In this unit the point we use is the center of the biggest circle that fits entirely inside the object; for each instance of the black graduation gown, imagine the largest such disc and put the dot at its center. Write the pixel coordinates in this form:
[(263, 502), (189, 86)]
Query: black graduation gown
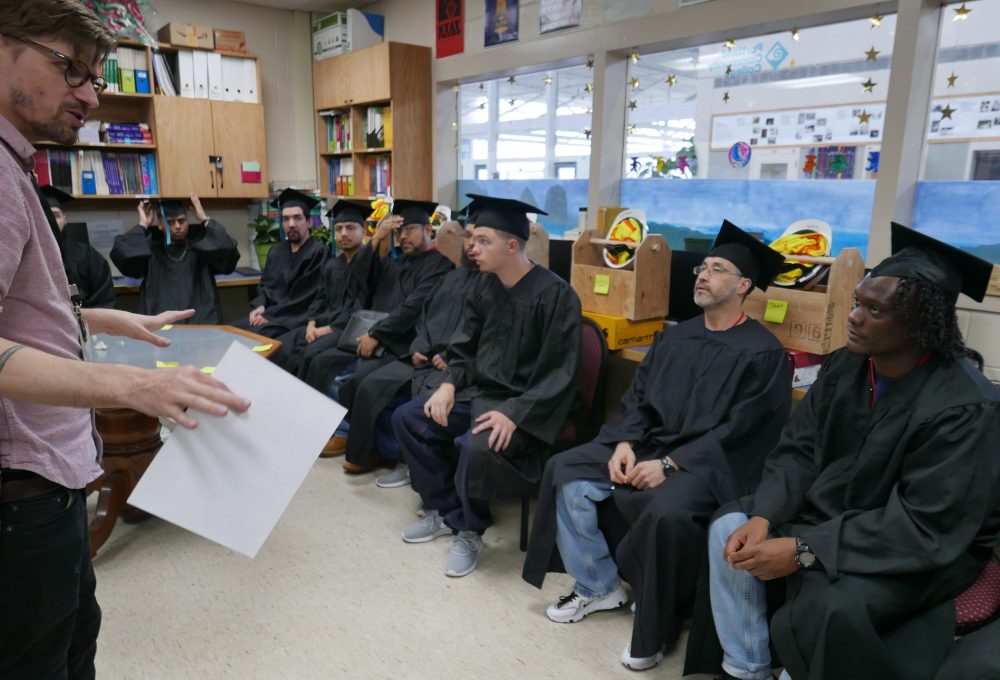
[(901, 505), (341, 291), (399, 287), (368, 395), (975, 656), (178, 276), (91, 273), (715, 402), (287, 286), (517, 351)]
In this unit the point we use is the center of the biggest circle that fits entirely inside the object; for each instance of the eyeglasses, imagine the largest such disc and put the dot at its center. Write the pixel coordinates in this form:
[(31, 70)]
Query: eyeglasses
[(714, 270), (77, 73), (407, 228)]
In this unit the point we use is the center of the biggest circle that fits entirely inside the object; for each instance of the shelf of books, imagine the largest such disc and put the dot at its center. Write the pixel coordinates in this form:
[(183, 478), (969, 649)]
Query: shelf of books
[(90, 173), (363, 170)]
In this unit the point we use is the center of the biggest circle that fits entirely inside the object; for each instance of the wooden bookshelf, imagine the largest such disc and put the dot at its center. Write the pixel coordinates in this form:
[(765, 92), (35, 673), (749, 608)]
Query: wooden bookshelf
[(394, 76)]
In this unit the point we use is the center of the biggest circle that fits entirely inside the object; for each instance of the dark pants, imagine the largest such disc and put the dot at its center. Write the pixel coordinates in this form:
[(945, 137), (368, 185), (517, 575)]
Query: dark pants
[(269, 330), (439, 460), (295, 350), (49, 616)]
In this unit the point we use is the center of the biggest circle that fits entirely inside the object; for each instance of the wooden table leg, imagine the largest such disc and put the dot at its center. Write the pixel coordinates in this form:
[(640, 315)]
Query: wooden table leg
[(131, 439)]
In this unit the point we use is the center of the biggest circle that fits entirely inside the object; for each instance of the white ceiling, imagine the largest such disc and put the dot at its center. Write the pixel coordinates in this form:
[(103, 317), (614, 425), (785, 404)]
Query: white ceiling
[(321, 6)]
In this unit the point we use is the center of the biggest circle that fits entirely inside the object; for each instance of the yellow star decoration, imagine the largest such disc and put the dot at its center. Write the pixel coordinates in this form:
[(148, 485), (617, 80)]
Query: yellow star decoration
[(587, 132), (547, 79), (482, 86), (947, 111), (864, 116), (876, 19), (631, 104), (729, 70), (868, 85), (589, 87), (511, 79), (725, 97), (634, 56), (795, 33), (792, 63), (951, 79), (872, 54), (454, 88), (454, 126), (590, 62), (482, 105), (631, 128), (634, 82), (512, 101), (730, 44), (671, 80), (962, 13)]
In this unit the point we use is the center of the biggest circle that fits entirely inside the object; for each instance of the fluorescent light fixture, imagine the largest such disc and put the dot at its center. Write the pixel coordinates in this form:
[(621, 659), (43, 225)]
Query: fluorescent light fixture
[(819, 81)]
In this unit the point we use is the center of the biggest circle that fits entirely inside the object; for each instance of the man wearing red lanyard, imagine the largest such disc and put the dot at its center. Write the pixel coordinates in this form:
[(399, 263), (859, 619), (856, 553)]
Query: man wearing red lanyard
[(705, 406), (881, 502)]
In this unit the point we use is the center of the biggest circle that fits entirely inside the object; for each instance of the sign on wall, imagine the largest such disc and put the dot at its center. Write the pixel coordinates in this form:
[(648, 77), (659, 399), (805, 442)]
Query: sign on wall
[(501, 25), (969, 117), (826, 125), (555, 15), (450, 28)]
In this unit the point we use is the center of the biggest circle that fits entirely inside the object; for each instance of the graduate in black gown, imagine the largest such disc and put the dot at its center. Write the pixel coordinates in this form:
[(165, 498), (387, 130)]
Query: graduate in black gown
[(85, 267), (704, 408), (975, 656), (399, 285), (342, 290), (292, 274), (177, 261), (512, 382), (881, 502), (422, 371)]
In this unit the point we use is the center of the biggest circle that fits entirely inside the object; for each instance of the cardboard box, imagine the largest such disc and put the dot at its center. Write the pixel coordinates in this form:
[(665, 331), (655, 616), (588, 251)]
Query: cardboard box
[(187, 35), (230, 41), (346, 31), (621, 332)]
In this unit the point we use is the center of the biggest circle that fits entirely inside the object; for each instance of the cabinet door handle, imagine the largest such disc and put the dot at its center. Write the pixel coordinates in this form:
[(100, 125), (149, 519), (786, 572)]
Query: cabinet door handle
[(211, 177)]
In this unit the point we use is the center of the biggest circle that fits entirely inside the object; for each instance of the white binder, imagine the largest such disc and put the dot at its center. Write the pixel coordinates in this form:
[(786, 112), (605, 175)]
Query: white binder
[(215, 86), (200, 74), (185, 72), (249, 81)]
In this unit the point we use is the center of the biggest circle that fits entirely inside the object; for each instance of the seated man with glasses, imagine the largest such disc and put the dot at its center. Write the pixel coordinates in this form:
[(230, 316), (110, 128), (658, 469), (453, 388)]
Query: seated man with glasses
[(704, 408)]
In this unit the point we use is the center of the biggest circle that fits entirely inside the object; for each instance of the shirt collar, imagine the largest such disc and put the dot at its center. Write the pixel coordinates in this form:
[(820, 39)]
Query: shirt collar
[(17, 142)]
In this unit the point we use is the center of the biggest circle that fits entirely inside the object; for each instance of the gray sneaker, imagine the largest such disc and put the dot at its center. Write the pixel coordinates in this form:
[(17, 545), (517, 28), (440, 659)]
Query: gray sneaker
[(463, 557), (427, 529), (398, 476)]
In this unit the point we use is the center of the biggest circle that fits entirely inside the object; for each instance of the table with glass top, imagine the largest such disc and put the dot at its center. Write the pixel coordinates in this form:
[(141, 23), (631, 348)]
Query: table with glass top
[(131, 439)]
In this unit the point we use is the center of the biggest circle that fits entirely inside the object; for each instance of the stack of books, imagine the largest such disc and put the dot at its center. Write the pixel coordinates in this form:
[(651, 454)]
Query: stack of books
[(127, 71)]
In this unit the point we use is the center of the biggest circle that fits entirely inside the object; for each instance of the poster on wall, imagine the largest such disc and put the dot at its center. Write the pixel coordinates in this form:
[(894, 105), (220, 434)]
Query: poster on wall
[(555, 15), (500, 26), (846, 124), (450, 28), (975, 117)]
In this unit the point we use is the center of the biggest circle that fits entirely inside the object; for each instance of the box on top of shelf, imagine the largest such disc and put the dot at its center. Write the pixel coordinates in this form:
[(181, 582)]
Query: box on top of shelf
[(230, 41), (187, 35), (346, 31)]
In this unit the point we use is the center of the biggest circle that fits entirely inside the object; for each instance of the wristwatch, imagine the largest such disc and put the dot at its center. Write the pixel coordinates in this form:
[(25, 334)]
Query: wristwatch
[(804, 557), (668, 468)]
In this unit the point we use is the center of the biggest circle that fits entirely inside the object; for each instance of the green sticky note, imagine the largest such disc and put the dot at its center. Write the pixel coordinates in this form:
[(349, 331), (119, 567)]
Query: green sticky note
[(208, 369), (602, 284), (776, 311), (262, 348), (167, 327), (167, 364)]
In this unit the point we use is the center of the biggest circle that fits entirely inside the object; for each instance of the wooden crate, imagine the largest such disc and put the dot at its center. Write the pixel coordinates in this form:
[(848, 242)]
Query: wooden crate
[(640, 291), (816, 320)]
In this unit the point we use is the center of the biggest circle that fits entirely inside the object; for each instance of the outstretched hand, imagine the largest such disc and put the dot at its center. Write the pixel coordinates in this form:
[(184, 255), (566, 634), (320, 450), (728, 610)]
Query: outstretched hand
[(135, 326)]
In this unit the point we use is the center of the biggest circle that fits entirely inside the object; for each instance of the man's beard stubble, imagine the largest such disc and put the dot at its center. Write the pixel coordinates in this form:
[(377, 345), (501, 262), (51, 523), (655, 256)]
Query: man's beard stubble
[(55, 130)]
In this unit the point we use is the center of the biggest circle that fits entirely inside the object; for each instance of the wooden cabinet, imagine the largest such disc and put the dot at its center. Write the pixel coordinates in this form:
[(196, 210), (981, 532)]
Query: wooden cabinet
[(196, 131), (392, 81)]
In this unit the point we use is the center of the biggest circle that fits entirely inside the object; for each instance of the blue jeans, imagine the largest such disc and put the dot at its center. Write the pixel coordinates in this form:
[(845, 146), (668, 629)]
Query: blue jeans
[(583, 548), (333, 391), (739, 607)]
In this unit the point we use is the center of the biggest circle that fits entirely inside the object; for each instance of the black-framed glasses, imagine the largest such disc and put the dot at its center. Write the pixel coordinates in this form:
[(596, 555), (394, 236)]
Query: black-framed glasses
[(76, 72), (714, 270)]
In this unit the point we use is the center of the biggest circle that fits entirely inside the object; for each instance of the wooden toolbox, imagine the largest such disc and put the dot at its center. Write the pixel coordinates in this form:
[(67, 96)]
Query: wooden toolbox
[(815, 320), (639, 292)]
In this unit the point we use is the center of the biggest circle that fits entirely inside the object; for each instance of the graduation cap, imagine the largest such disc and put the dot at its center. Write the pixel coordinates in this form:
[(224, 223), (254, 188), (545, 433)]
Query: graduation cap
[(55, 197), (290, 198), (468, 214), (756, 260), (505, 214), (169, 209), (349, 211), (414, 212), (918, 256)]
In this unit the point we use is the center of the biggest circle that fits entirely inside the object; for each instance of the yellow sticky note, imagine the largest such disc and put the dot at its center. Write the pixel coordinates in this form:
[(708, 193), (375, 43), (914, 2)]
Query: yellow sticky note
[(167, 327), (208, 369), (776, 311), (167, 364), (262, 348), (602, 284)]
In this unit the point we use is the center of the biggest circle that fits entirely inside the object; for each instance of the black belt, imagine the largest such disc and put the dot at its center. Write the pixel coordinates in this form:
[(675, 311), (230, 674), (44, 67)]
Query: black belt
[(24, 485)]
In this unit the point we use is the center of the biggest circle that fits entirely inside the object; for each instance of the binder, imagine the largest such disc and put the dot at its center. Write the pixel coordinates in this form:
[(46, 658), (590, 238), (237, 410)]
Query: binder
[(215, 76), (141, 67), (231, 85), (126, 71), (200, 74), (185, 73), (249, 81)]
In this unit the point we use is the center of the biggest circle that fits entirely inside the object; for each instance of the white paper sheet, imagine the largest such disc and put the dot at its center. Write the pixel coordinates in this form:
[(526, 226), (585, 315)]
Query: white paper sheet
[(230, 479)]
